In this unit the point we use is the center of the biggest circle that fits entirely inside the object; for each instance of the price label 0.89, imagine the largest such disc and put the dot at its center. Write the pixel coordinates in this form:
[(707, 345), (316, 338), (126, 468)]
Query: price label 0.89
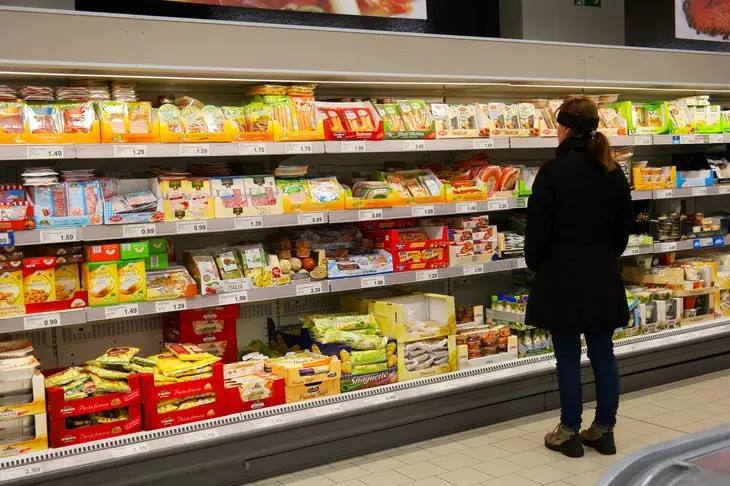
[(170, 305), (42, 321), (138, 230), (126, 151), (188, 227), (311, 218), (370, 214), (121, 311), (45, 152), (195, 150), (59, 235)]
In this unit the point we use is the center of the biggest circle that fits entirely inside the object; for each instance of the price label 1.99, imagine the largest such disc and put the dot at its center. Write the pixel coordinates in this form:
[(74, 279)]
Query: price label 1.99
[(252, 149), (195, 150), (121, 311), (423, 211), (162, 306), (189, 227), (256, 222), (58, 236), (128, 151), (372, 282), (232, 298), (7, 238), (484, 143), (353, 147), (41, 321), (21, 472), (138, 230), (45, 152)]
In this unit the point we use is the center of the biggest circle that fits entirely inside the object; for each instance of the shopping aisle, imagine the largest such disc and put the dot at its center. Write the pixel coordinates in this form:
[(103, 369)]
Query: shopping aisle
[(512, 454)]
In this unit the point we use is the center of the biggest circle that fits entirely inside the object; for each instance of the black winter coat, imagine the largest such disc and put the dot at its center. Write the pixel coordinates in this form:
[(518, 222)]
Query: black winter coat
[(578, 222)]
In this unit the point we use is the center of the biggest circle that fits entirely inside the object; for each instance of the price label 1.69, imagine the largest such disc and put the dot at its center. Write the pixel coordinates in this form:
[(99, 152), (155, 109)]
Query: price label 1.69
[(170, 305), (257, 222), (194, 150), (58, 236), (138, 230), (232, 298), (121, 311), (186, 227), (41, 321)]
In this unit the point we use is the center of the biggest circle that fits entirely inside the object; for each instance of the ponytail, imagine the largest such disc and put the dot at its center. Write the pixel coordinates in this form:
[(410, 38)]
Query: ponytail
[(600, 149)]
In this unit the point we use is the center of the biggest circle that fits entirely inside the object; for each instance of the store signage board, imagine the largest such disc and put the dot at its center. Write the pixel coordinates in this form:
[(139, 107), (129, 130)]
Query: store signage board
[(701, 20)]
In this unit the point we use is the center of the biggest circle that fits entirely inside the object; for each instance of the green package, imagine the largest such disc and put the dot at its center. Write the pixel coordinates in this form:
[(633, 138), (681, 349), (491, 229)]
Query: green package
[(369, 368), (355, 340), (134, 251), (372, 356), (159, 261), (157, 246)]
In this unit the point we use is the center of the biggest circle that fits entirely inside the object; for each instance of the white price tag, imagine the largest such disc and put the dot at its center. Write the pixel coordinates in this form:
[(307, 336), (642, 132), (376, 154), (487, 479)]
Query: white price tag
[(473, 269), (21, 472), (120, 311), (41, 321), (130, 450), (371, 282), (706, 242), (423, 211), (5, 239), (311, 218), (256, 222), (663, 193), (58, 236), (443, 386), (299, 148), (327, 410), (724, 189), (252, 149), (687, 139), (45, 151), (699, 191), (664, 247), (484, 143), (130, 151), (631, 251), (498, 205), (269, 422), (138, 230), (520, 263), (470, 207), (717, 138), (195, 150), (414, 145), (309, 289), (200, 436), (370, 214), (232, 298), (642, 140), (385, 398), (170, 305), (186, 227), (427, 275), (353, 147)]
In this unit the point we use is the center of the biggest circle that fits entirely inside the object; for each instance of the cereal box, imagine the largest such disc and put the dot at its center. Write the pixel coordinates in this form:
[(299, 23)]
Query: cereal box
[(101, 279), (39, 280), (67, 281), (12, 301), (132, 281)]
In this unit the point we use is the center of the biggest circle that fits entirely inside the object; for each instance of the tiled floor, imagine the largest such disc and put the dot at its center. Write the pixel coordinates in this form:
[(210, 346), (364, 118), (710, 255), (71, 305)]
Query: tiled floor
[(512, 453)]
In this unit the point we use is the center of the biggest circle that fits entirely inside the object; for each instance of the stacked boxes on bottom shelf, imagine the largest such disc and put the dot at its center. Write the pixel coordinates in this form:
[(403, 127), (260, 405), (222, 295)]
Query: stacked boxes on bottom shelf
[(22, 401), (249, 387), (425, 327), (212, 329), (183, 402), (307, 375)]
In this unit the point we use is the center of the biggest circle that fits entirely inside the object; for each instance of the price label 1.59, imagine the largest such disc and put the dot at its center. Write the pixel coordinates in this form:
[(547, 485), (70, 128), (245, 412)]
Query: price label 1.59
[(372, 282), (125, 151), (309, 289), (232, 298), (138, 230), (423, 211), (171, 305), (21, 472), (195, 150), (45, 152), (121, 311), (41, 321), (58, 236), (187, 227), (256, 222)]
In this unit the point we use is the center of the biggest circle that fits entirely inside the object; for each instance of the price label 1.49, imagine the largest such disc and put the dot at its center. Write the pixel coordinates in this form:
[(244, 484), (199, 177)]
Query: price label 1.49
[(232, 298), (45, 152), (121, 311), (125, 151), (171, 305), (138, 230), (41, 321), (188, 227), (194, 150), (58, 236)]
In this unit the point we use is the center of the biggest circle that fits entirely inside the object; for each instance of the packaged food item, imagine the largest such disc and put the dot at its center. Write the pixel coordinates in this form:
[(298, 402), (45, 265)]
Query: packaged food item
[(39, 280), (107, 374), (120, 356), (187, 352), (110, 386), (228, 264), (68, 281), (171, 283), (415, 115), (204, 270), (132, 281), (12, 293), (63, 377), (101, 280), (106, 252), (134, 251)]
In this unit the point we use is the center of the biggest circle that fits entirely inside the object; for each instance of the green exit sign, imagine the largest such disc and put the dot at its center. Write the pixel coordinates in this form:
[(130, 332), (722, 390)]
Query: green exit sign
[(588, 3)]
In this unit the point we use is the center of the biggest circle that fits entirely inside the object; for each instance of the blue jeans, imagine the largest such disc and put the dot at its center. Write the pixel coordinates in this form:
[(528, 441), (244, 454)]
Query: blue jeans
[(605, 369)]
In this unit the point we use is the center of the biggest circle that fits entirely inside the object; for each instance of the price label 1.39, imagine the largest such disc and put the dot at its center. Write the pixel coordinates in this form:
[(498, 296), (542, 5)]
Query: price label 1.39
[(256, 222), (427, 275), (130, 151)]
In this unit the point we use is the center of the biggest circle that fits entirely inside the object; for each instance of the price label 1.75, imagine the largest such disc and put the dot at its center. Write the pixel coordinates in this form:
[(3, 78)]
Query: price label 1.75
[(252, 149)]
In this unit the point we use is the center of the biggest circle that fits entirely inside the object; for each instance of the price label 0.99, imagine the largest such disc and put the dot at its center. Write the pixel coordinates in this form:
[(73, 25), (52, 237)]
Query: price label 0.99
[(372, 282), (256, 222), (170, 305), (41, 321), (59, 235), (195, 150), (138, 230), (423, 211), (232, 298), (189, 227), (128, 151), (294, 148), (252, 149), (45, 152), (121, 311)]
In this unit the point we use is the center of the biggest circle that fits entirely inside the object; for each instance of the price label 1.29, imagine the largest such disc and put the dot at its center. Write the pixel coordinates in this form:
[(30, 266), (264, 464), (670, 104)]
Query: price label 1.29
[(121, 311), (126, 151), (21, 472), (232, 298), (195, 150), (138, 230), (427, 275), (41, 321), (162, 306), (58, 236), (45, 152), (187, 227), (256, 222)]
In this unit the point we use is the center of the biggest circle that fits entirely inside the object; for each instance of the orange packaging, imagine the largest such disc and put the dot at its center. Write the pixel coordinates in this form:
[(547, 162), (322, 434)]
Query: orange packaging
[(108, 252)]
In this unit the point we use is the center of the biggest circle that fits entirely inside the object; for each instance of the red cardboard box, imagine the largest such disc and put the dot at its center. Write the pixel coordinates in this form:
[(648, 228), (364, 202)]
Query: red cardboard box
[(414, 248), (107, 252), (60, 436), (212, 329), (153, 394), (236, 404)]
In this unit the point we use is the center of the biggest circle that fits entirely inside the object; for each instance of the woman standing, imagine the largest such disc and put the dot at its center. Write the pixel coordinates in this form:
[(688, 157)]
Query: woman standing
[(578, 224)]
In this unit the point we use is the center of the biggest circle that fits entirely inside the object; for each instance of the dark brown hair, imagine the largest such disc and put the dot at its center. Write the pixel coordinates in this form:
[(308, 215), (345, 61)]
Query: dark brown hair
[(598, 145)]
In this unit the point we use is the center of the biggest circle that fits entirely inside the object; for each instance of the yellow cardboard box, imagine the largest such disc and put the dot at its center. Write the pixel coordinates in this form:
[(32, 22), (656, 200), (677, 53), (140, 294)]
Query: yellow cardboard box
[(415, 317)]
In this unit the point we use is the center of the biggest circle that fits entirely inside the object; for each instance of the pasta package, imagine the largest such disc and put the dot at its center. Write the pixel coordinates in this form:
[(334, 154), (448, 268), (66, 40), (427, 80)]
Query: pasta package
[(110, 386), (120, 356), (187, 352), (63, 377)]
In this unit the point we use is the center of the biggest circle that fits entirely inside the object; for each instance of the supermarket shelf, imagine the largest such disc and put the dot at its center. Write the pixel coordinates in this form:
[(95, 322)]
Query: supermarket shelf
[(716, 190), (690, 139), (533, 143), (43, 320), (641, 195), (252, 436), (506, 316), (696, 244), (107, 151), (638, 250), (37, 152)]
